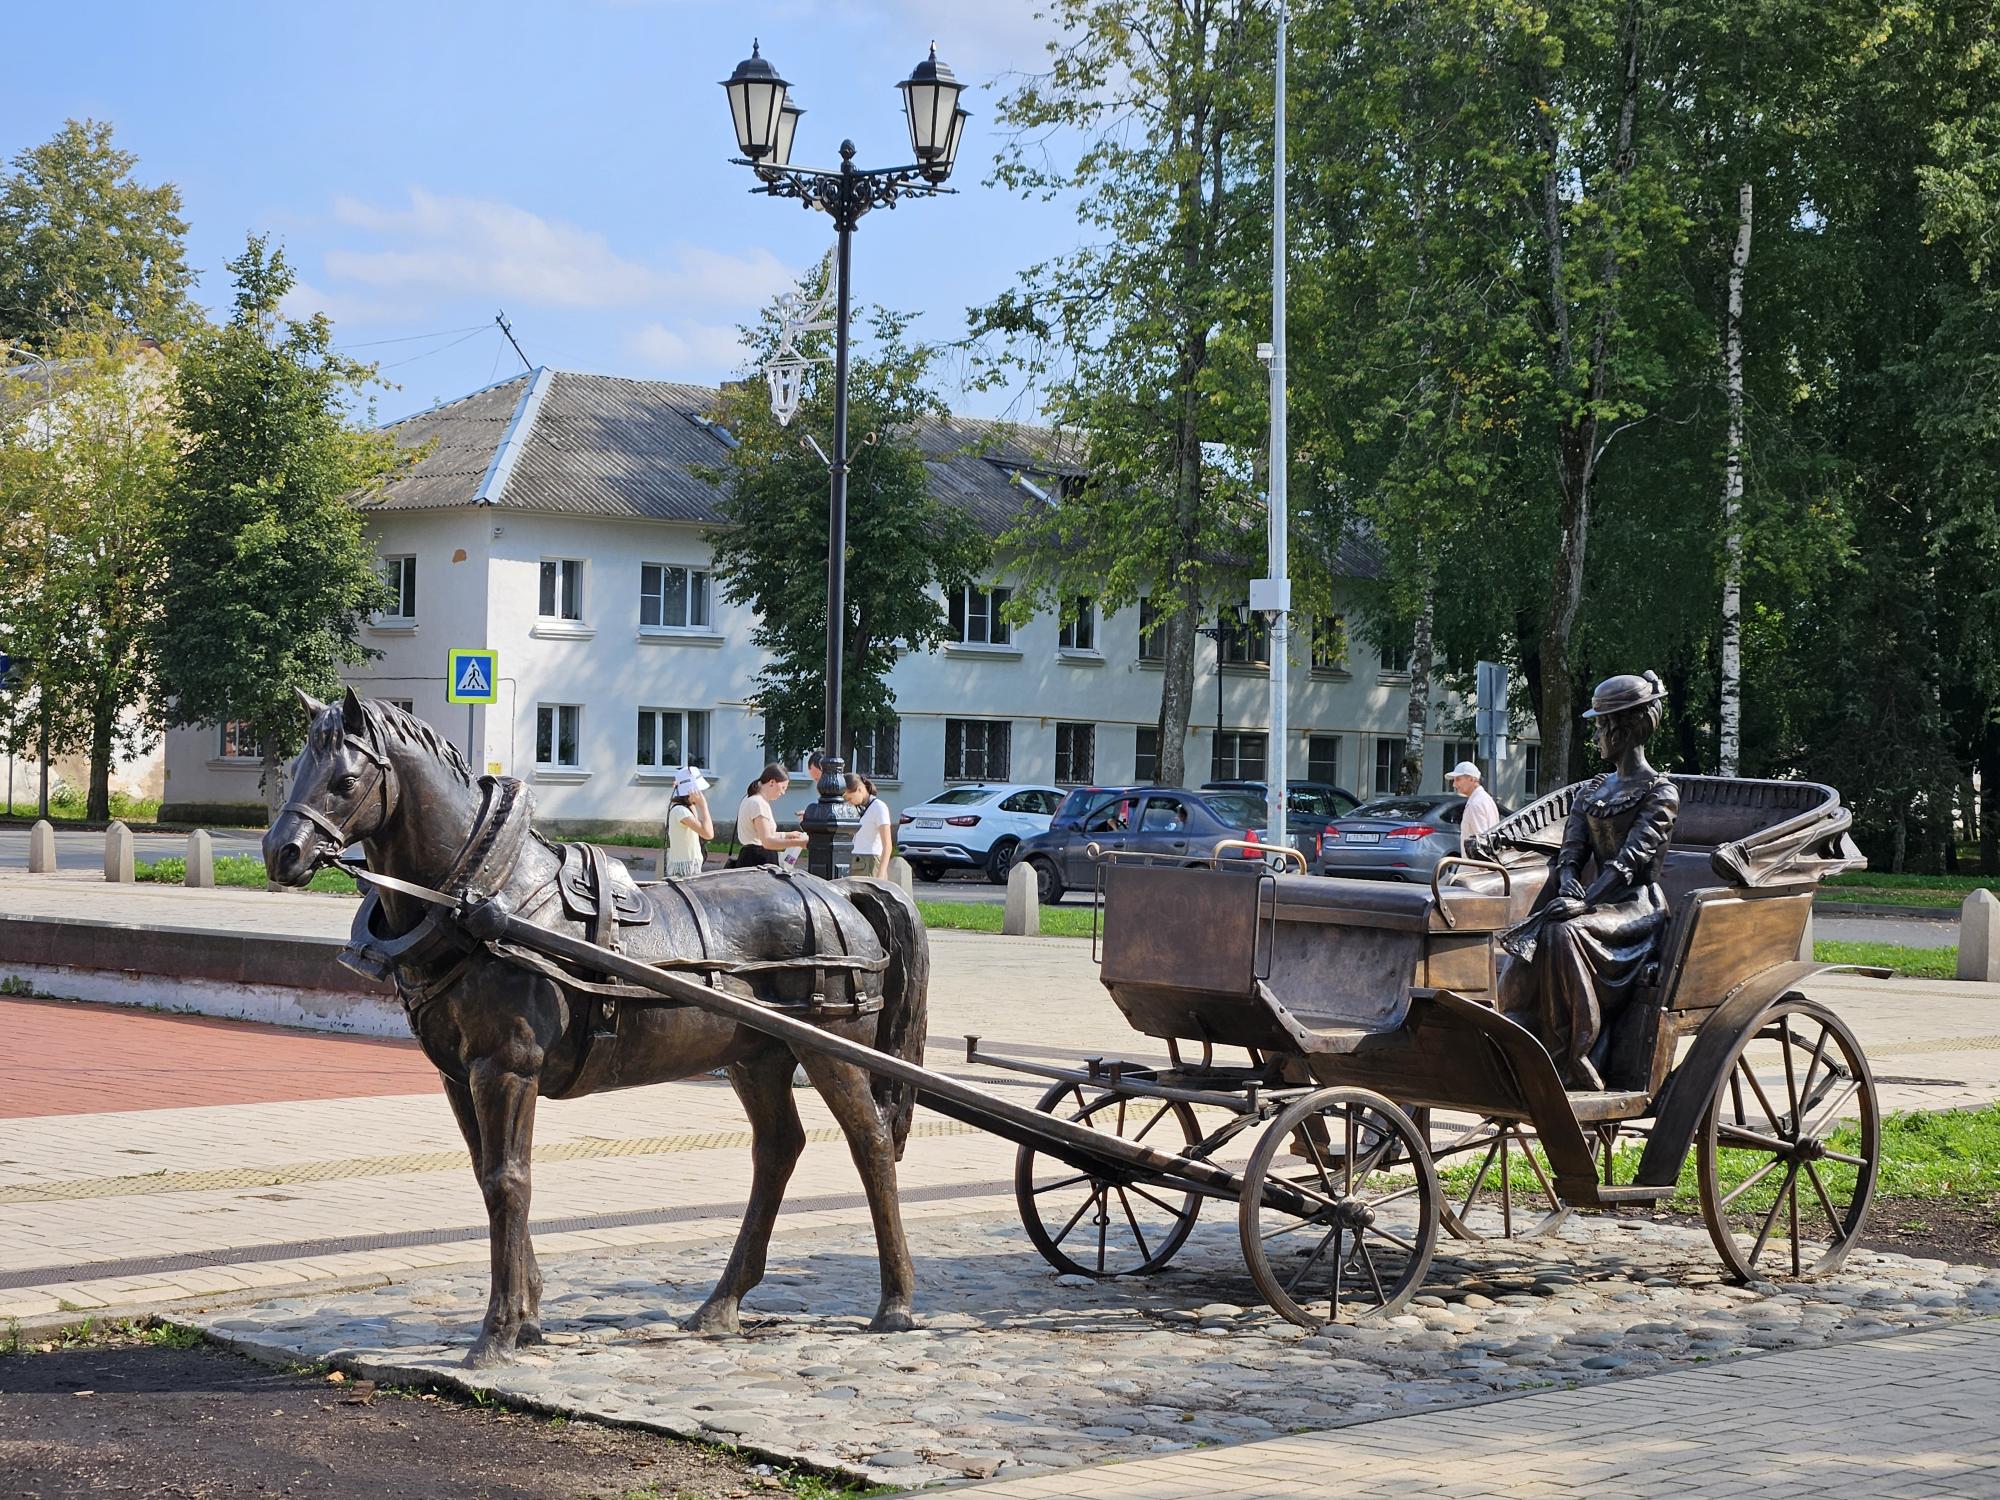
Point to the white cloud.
(439, 243)
(691, 351)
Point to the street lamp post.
(766, 125)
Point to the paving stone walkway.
(1017, 1371)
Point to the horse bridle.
(384, 785)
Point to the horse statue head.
(351, 783)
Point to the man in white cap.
(1481, 811)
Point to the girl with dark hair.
(874, 841)
(757, 826)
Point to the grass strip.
(985, 916)
(243, 870)
(1916, 963)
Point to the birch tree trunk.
(1420, 699)
(1732, 499)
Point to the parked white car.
(975, 827)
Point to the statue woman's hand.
(1569, 888)
(1563, 908)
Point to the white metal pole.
(1279, 565)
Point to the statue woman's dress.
(1582, 969)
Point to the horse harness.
(595, 891)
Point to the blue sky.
(429, 162)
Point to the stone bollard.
(903, 875)
(200, 860)
(42, 848)
(118, 854)
(1979, 937)
(1023, 917)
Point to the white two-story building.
(557, 519)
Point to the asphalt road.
(80, 850)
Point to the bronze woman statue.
(1579, 957)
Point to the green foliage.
(87, 450)
(83, 246)
(905, 548)
(269, 573)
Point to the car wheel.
(1000, 859)
(1048, 881)
(927, 870)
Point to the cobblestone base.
(1018, 1371)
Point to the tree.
(83, 244)
(906, 549)
(1145, 339)
(87, 448)
(269, 574)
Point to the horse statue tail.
(905, 991)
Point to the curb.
(1900, 913)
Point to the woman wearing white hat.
(688, 823)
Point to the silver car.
(1393, 838)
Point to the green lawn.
(67, 806)
(1917, 963)
(981, 916)
(240, 870)
(1879, 888)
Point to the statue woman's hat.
(1629, 690)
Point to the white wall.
(478, 586)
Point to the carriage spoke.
(1160, 1203)
(1825, 1199)
(1771, 1218)
(1164, 1111)
(1078, 1215)
(1331, 1237)
(1750, 1077)
(1398, 1195)
(1381, 1297)
(1806, 1099)
(1395, 1239)
(1752, 1180)
(1479, 1178)
(1832, 1112)
(1137, 1233)
(1846, 1160)
(1292, 1226)
(1792, 1213)
(1791, 1069)
(1063, 1183)
(1737, 1135)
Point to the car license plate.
(1353, 838)
(928, 823)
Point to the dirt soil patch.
(1949, 1229)
(127, 1418)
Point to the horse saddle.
(595, 886)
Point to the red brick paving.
(62, 1058)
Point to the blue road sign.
(473, 677)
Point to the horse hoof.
(531, 1333)
(488, 1354)
(893, 1320)
(713, 1317)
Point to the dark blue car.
(1167, 821)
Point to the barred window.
(977, 749)
(1076, 754)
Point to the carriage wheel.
(1784, 1194)
(1087, 1225)
(1339, 1215)
(1503, 1164)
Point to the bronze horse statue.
(505, 1027)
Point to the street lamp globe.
(756, 105)
(788, 128)
(930, 99)
(939, 167)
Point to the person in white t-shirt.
(1481, 811)
(873, 840)
(688, 823)
(757, 828)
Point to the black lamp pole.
(765, 126)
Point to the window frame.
(567, 593)
(1079, 634)
(874, 769)
(1387, 786)
(687, 625)
(993, 733)
(1323, 768)
(1081, 773)
(236, 732)
(1146, 761)
(960, 615)
(1243, 643)
(1328, 633)
(1237, 767)
(1152, 641)
(693, 736)
(404, 583)
(557, 710)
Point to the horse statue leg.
(764, 1084)
(495, 1107)
(871, 1140)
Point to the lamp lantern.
(788, 129)
(756, 105)
(930, 98)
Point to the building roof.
(601, 445)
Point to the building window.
(407, 705)
(1388, 766)
(672, 737)
(975, 617)
(977, 749)
(1394, 653)
(1152, 633)
(874, 752)
(1146, 755)
(1456, 751)
(672, 598)
(1243, 643)
(1238, 757)
(238, 740)
(1531, 764)
(1329, 638)
(400, 573)
(1080, 633)
(562, 589)
(1323, 758)
(558, 733)
(1076, 754)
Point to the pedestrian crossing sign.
(472, 677)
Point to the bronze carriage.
(1365, 1012)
